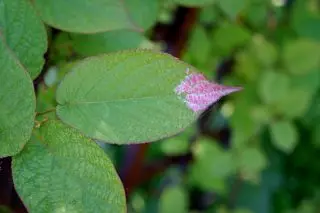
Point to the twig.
(45, 112)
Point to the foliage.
(75, 75)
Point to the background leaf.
(24, 34)
(301, 56)
(250, 161)
(224, 39)
(232, 8)
(85, 16)
(62, 171)
(284, 135)
(211, 166)
(105, 99)
(17, 103)
(173, 200)
(94, 44)
(274, 86)
(143, 13)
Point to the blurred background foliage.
(254, 151)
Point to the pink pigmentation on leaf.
(199, 93)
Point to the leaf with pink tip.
(132, 96)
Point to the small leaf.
(224, 39)
(199, 45)
(251, 162)
(173, 200)
(23, 33)
(94, 44)
(242, 119)
(127, 97)
(257, 12)
(211, 166)
(143, 13)
(178, 144)
(17, 103)
(301, 56)
(85, 16)
(231, 7)
(208, 15)
(284, 135)
(274, 87)
(62, 171)
(295, 105)
(247, 66)
(264, 51)
(309, 82)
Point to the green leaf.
(304, 18)
(231, 7)
(194, 3)
(264, 51)
(309, 82)
(301, 56)
(173, 200)
(274, 86)
(89, 45)
(175, 146)
(211, 166)
(242, 119)
(62, 171)
(250, 161)
(200, 179)
(303, 87)
(17, 103)
(208, 15)
(257, 12)
(199, 45)
(247, 66)
(284, 135)
(23, 33)
(125, 97)
(178, 144)
(143, 13)
(85, 16)
(294, 104)
(209, 156)
(224, 39)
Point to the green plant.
(81, 79)
(110, 98)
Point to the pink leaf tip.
(199, 93)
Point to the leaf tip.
(199, 93)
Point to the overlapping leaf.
(17, 103)
(60, 170)
(97, 15)
(23, 33)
